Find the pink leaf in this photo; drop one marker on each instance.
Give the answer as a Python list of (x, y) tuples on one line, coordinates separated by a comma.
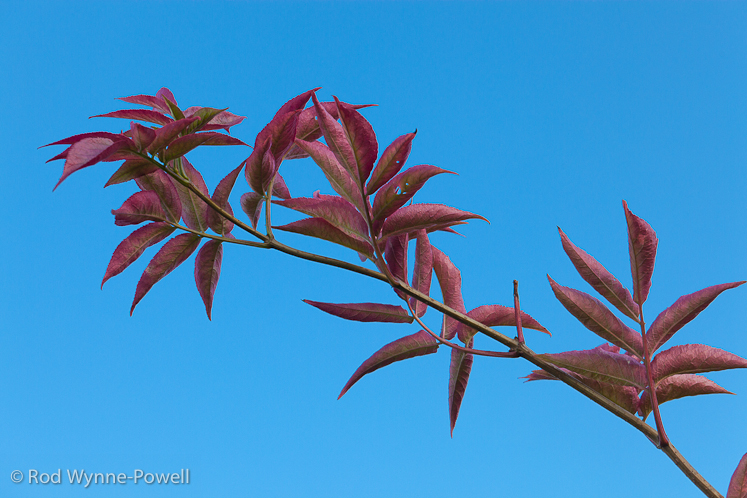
[(194, 209), (450, 280), (308, 125), (679, 386), (595, 316), (138, 115), (132, 169), (207, 272), (361, 138), (334, 209), (600, 279), (642, 243), (281, 132), (681, 312), (184, 144), (141, 135), (337, 142), (624, 396), (160, 183), (738, 482), (693, 358), (260, 166), (297, 103), (171, 255), (495, 315), (423, 216), (77, 138), (390, 162), (251, 204), (168, 133), (140, 207), (459, 370), (418, 344), (322, 229), (217, 222), (365, 312), (601, 365), (396, 257), (401, 189), (133, 246), (279, 188), (224, 120), (422, 272), (89, 151), (147, 100), (340, 179)]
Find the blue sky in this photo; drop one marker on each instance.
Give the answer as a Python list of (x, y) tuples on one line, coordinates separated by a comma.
[(551, 113)]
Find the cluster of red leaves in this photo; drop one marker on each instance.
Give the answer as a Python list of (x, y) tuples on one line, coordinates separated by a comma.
[(152, 157), (618, 370)]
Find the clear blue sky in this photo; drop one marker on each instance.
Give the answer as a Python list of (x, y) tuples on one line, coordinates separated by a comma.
[(551, 113)]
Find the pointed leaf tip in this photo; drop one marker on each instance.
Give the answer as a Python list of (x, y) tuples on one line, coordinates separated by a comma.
[(364, 312), (642, 244), (418, 344)]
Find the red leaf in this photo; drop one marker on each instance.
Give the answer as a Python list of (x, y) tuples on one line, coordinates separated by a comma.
[(140, 207), (322, 229), (450, 280), (337, 142), (138, 115), (133, 246), (147, 100), (184, 144), (601, 365), (738, 482), (194, 209), (141, 135), (168, 133), (693, 358), (401, 189), (308, 126), (224, 120), (361, 138), (89, 151), (161, 184), (624, 396), (281, 132), (297, 103), (595, 316), (334, 209), (251, 204), (171, 255), (396, 258), (418, 344), (679, 386), (494, 315), (642, 243), (600, 279), (340, 179), (218, 223), (279, 188), (681, 312), (422, 272), (77, 138), (459, 370), (130, 170), (260, 166), (390, 162), (207, 272), (365, 312), (423, 216)]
